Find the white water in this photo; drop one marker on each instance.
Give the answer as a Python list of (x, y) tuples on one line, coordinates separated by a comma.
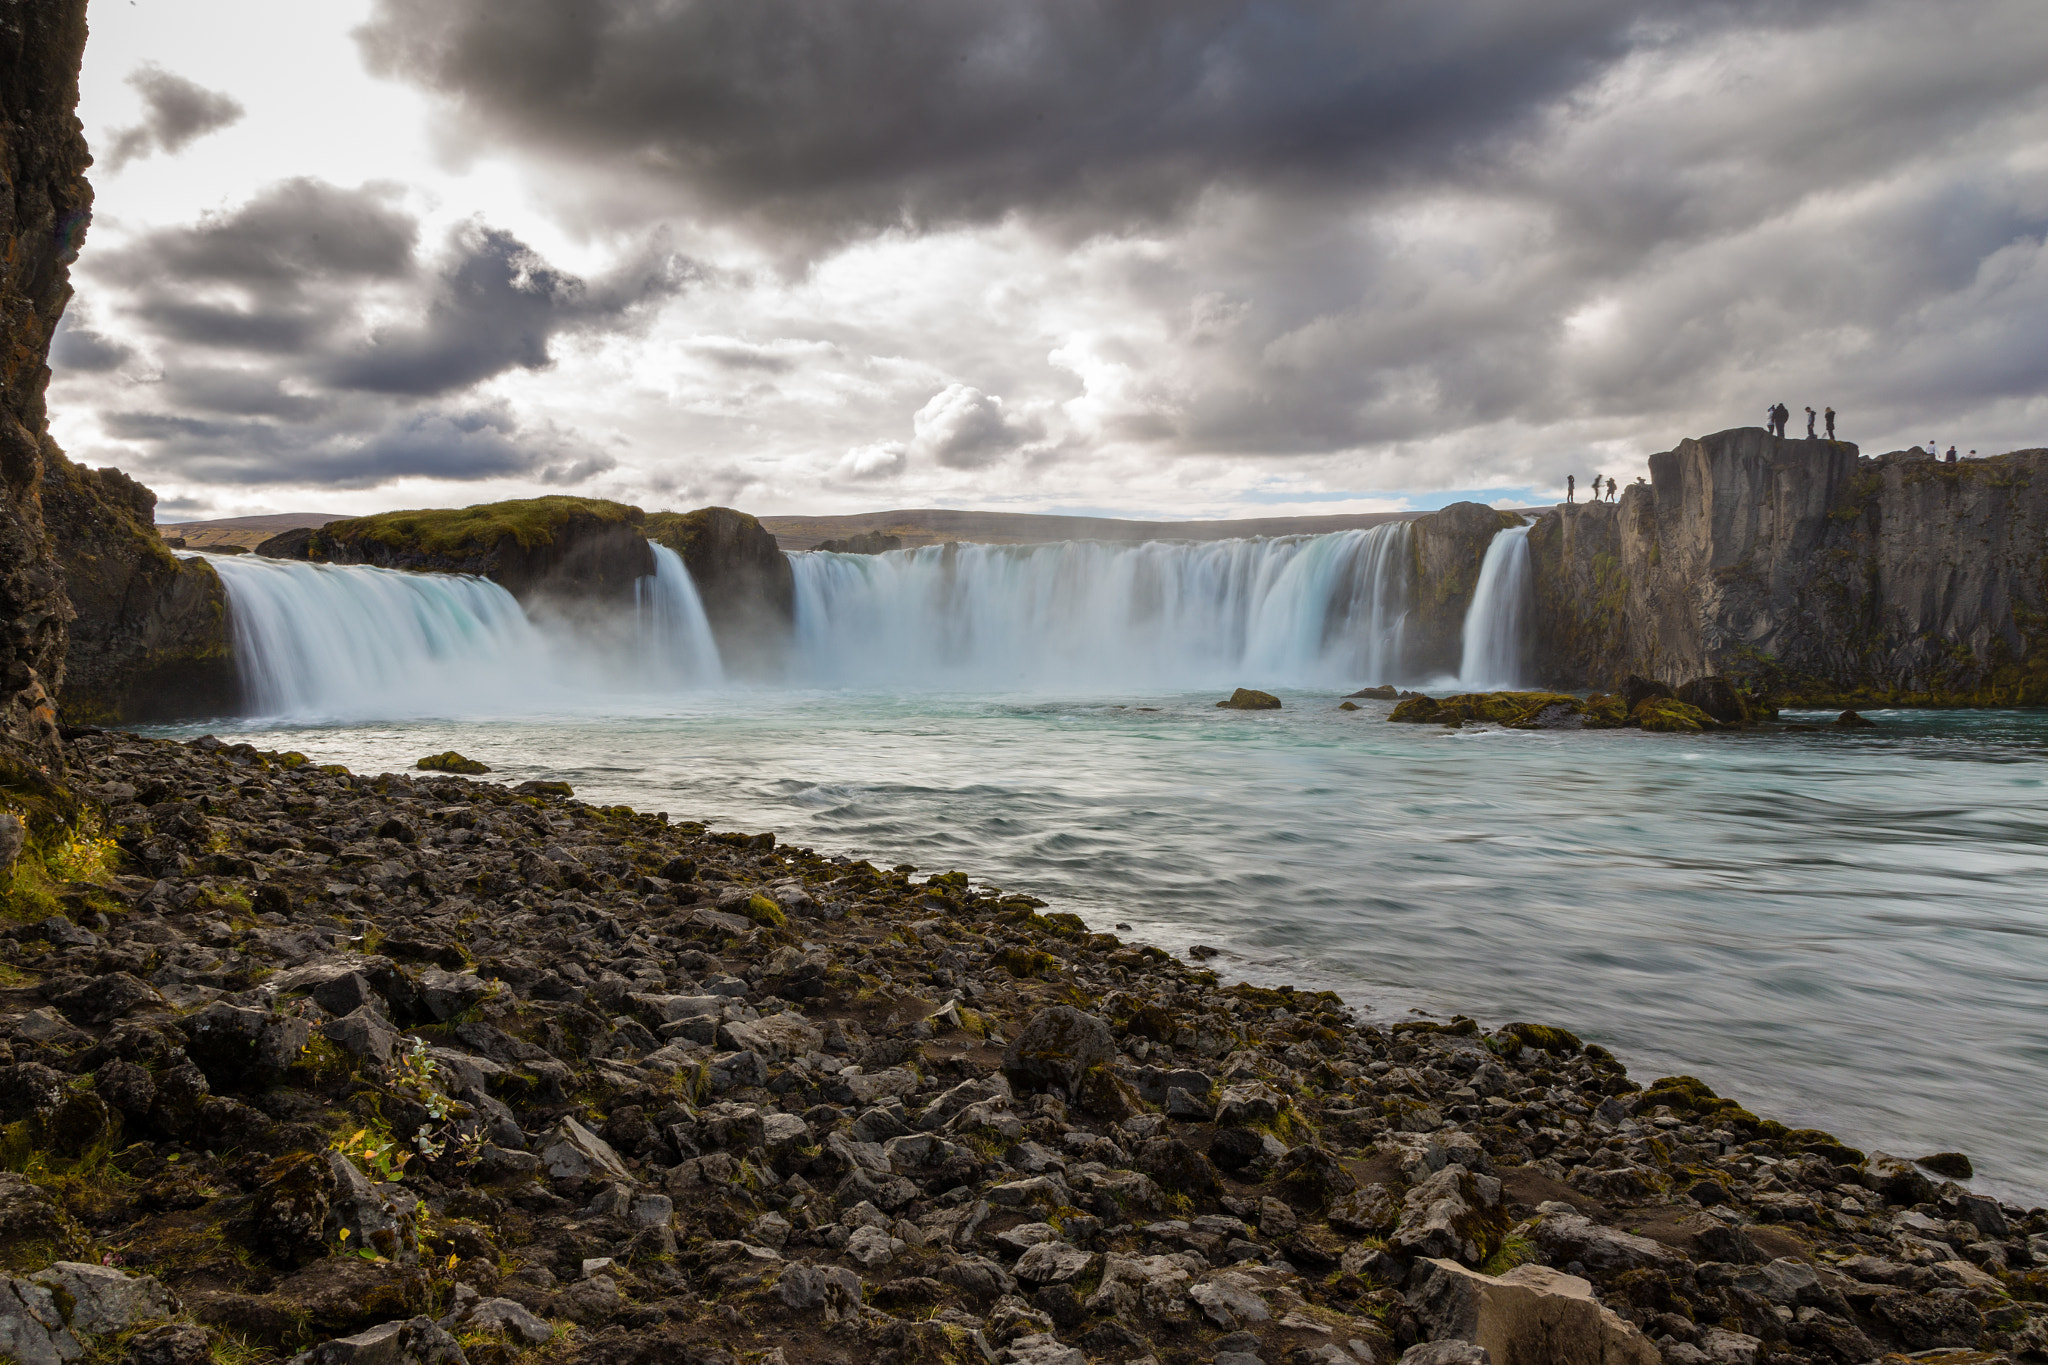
[(347, 643), (675, 637), (1292, 611), (1494, 623)]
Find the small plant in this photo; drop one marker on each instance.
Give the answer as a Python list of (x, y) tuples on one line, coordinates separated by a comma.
[(374, 1154)]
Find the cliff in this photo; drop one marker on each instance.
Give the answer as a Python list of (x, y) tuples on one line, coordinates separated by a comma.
[(582, 550), (1448, 547), (43, 216), (743, 577), (150, 636), (1806, 571)]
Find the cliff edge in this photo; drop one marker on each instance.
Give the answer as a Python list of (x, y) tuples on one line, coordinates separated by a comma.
[(1807, 571)]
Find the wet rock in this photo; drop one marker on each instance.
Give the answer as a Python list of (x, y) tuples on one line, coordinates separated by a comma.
[(1057, 1049), (1952, 1165), (1250, 699)]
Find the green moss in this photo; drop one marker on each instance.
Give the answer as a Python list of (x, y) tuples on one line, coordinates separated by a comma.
[(761, 910), (1023, 962), (1668, 715), (1543, 1037), (451, 762), (458, 532)]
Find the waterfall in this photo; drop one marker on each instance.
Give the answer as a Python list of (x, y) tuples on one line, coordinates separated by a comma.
[(675, 637), (1500, 609), (1291, 611), (326, 642)]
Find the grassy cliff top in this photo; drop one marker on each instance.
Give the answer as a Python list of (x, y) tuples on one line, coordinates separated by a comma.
[(446, 530), (681, 530)]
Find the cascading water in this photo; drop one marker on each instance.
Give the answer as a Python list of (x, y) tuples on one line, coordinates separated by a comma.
[(675, 636), (1300, 610), (1495, 621), (330, 642)]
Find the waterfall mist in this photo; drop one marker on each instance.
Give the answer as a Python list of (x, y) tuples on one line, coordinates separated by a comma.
[(1495, 623), (1293, 611)]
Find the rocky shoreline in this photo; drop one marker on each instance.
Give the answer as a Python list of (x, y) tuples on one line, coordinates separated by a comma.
[(419, 1068)]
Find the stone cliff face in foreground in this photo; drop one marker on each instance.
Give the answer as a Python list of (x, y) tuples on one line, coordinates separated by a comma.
[(1806, 571), (149, 640), (42, 220)]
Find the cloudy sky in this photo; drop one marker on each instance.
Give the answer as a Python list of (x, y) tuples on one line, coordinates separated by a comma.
[(1150, 257)]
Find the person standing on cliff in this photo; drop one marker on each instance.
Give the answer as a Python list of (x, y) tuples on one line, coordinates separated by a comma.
[(1829, 418), (1951, 458), (1610, 488), (1779, 416), (1810, 415), (1571, 487)]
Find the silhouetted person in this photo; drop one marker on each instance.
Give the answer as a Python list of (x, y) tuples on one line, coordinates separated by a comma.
[(1610, 488), (1829, 418), (1810, 415), (1951, 455), (1779, 416), (1571, 487)]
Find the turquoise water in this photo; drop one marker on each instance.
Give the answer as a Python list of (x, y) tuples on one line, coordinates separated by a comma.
[(1844, 930)]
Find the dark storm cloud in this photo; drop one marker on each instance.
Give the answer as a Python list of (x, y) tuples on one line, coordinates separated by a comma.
[(497, 305), (485, 442), (175, 113), (928, 111), (78, 347), (295, 340)]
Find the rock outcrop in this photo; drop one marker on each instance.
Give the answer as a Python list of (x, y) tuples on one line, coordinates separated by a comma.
[(743, 577), (1800, 570), (149, 639), (1448, 548), (43, 217), (567, 550)]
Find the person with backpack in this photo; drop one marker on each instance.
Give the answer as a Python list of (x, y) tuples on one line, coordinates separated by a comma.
[(1829, 418)]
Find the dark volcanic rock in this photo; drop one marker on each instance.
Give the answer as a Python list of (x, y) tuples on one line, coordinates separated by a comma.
[(150, 639), (43, 217), (1058, 1048)]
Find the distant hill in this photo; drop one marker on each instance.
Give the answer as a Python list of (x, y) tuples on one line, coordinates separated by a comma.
[(932, 526), (247, 532)]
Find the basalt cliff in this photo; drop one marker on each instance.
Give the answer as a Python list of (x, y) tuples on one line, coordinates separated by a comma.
[(42, 220), (1806, 571)]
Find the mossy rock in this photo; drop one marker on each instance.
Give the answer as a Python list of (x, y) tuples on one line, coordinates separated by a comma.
[(1604, 712), (1510, 709), (761, 910), (449, 762), (1250, 699), (1840, 1153), (1668, 715), (1543, 1037), (529, 522), (545, 789), (1024, 963)]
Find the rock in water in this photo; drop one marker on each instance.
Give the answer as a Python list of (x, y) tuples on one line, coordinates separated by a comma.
[(1249, 699), (1953, 1165), (451, 762), (1849, 720), (1717, 697)]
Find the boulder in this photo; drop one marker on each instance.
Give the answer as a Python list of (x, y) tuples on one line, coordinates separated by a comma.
[(1250, 699), (573, 1152), (1057, 1049), (1454, 1213), (1229, 1300), (1053, 1263), (505, 1318), (51, 1317), (1717, 697), (1142, 1287), (243, 1048), (1448, 1352), (776, 1038), (418, 1341), (1533, 1315), (1565, 1235), (1636, 689), (1370, 1211)]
